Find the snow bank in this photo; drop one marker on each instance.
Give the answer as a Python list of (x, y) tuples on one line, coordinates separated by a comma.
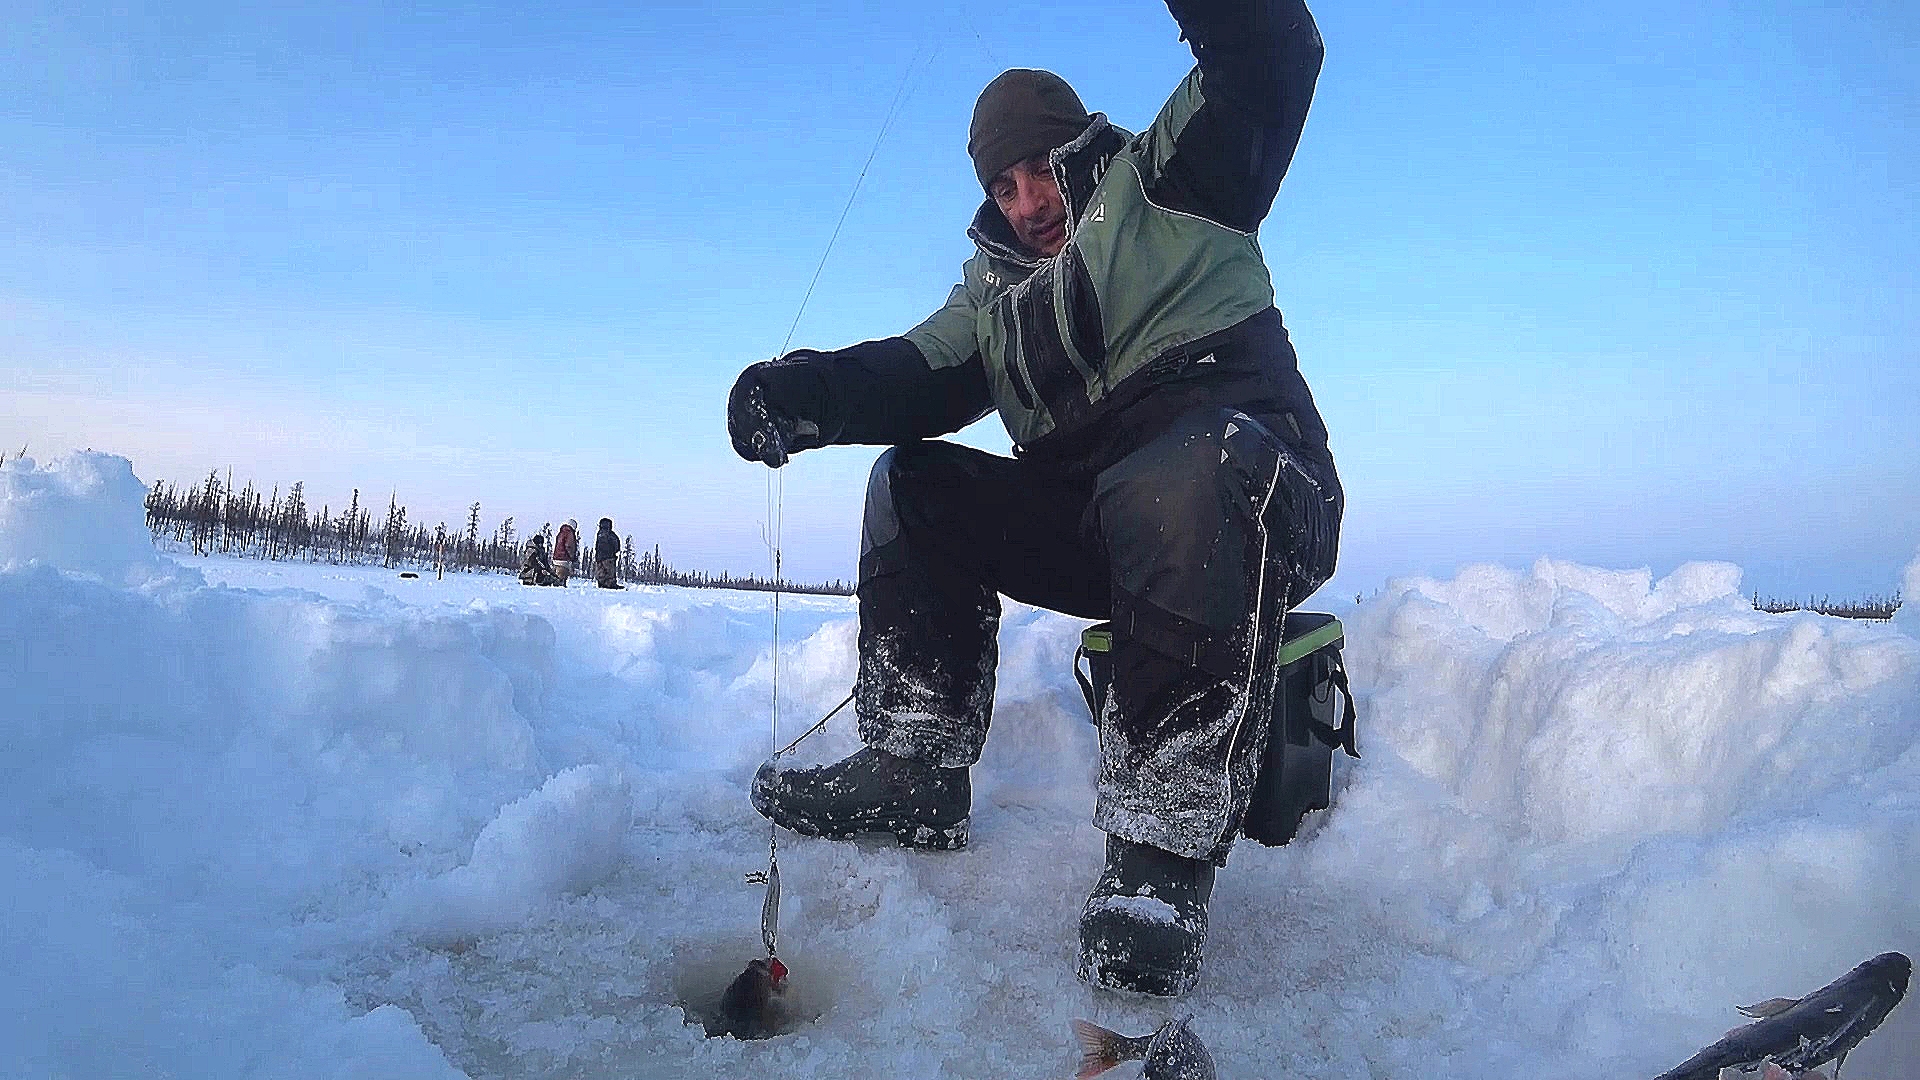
[(191, 773), (1583, 776), (1580, 705), (84, 512), (313, 820)]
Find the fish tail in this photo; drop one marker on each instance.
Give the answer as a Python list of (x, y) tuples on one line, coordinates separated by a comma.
[(1100, 1049)]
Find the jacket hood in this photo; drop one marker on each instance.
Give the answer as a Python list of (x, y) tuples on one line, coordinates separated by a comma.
[(1077, 168)]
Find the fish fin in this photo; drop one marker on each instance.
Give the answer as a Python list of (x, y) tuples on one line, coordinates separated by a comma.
[(1100, 1049), (1761, 1010), (1775, 1072)]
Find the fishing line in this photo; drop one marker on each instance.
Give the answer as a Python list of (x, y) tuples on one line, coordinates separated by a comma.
[(886, 124), (831, 713), (776, 483), (770, 907), (992, 57), (776, 510)]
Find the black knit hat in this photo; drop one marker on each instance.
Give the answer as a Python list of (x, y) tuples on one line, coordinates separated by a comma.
[(1022, 112)]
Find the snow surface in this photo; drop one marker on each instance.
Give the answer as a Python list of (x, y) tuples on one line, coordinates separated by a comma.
[(290, 820)]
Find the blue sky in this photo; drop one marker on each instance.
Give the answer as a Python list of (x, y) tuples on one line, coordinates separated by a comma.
[(1624, 285)]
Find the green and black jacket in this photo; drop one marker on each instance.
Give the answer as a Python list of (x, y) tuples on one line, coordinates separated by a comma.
[(1160, 299)]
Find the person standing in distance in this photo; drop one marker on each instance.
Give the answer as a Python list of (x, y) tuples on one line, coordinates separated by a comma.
[(606, 554), (566, 550)]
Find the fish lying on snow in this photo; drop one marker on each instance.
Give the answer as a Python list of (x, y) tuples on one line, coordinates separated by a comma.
[(1799, 1035), (1173, 1052)]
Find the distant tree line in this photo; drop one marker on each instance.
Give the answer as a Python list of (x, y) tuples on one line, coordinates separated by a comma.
[(212, 517), (1873, 607)]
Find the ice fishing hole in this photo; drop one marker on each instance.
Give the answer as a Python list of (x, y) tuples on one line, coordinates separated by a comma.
[(701, 975)]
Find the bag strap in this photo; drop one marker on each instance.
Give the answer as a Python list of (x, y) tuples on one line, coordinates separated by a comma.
[(1341, 736), (1085, 680)]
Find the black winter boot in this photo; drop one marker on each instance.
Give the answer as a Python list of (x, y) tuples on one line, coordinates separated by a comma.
[(870, 791), (1146, 920)]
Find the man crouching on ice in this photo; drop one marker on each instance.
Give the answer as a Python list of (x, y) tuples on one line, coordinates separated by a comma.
[(1173, 476)]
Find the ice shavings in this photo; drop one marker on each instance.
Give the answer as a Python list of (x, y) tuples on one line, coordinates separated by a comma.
[(557, 841)]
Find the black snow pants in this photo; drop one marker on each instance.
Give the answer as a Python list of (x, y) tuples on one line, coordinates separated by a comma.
[(1194, 545)]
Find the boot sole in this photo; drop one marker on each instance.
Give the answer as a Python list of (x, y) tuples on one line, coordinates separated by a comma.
[(909, 833), (913, 834)]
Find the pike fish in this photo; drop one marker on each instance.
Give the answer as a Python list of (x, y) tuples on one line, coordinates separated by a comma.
[(1172, 1052), (1798, 1035)]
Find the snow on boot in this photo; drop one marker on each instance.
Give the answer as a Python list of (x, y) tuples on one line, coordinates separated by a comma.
[(1146, 920), (869, 791)]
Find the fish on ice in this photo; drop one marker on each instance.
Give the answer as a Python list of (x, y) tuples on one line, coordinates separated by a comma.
[(1171, 1052), (1798, 1035)]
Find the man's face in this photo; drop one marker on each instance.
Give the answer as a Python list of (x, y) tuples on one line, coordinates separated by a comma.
[(1030, 199)]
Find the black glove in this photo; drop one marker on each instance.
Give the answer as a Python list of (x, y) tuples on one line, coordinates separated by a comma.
[(759, 420), (759, 431)]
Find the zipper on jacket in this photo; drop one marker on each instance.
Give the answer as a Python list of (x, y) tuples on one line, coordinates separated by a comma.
[(1023, 387)]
